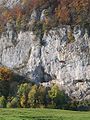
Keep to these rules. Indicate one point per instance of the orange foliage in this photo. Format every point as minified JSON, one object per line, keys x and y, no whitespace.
{"x":7,"y":15}
{"x":17,"y":11}
{"x":64,"y":11}
{"x":5,"y":73}
{"x":62,"y":14}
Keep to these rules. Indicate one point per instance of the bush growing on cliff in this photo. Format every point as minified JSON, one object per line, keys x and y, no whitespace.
{"x":70,"y":36}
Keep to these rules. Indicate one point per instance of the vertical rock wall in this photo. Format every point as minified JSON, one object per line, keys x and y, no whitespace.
{"x":66,"y":63}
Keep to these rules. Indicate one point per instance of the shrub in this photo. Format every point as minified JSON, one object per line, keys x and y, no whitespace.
{"x":2,"y":102}
{"x":5,"y":77}
{"x":23,"y":89}
{"x":32,"y":96}
{"x":23,"y":101}
{"x":13,"y":103}
{"x":5,"y":74}
{"x":22,"y":93}
{"x":58,"y":98}
{"x":70,"y":36}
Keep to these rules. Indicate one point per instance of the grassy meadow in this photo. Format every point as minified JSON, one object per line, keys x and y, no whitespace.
{"x":42,"y":114}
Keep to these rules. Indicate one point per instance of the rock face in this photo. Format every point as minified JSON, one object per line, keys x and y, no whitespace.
{"x":9,"y":3}
{"x":67,"y":64}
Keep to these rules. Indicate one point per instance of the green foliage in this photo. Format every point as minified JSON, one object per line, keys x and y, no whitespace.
{"x":29,"y":95}
{"x":24,"y":89}
{"x":23,"y":101}
{"x":18,"y":24}
{"x":58,"y":98}
{"x":53,"y":93}
{"x":38,"y":28}
{"x":13,"y":103}
{"x":42,"y":93}
{"x":21,"y":23}
{"x":2,"y":102}
{"x":32,"y":96}
{"x":37,"y":96}
{"x":22,"y":93}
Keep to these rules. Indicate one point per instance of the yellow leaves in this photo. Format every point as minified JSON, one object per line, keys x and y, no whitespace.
{"x":1,"y":28}
{"x":24,"y":1}
{"x":57,"y":11}
{"x":54,"y":91}
{"x":7,"y":15}
{"x":23,"y":101}
{"x":5,"y":73}
{"x":70,"y":37}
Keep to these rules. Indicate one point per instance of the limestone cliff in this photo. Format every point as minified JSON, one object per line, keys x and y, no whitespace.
{"x":51,"y":59}
{"x":9,"y":3}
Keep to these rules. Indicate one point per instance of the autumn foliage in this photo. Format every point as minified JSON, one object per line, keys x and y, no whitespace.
{"x":5,"y":74}
{"x":71,"y":12}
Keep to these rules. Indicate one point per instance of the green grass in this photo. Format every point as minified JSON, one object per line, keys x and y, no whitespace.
{"x":42,"y":114}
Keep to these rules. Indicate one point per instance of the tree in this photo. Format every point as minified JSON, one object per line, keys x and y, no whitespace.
{"x":41,"y":96}
{"x":22,"y":93}
{"x":2,"y":102}
{"x":73,"y":11}
{"x":13,"y":103}
{"x":53,"y":93}
{"x":62,"y":14}
{"x":23,"y":89}
{"x":58,"y":98}
{"x":6,"y":76}
{"x":23,"y":101}
{"x":32,"y":96}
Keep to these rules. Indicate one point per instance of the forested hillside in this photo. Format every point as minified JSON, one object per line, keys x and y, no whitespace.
{"x":71,"y":12}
